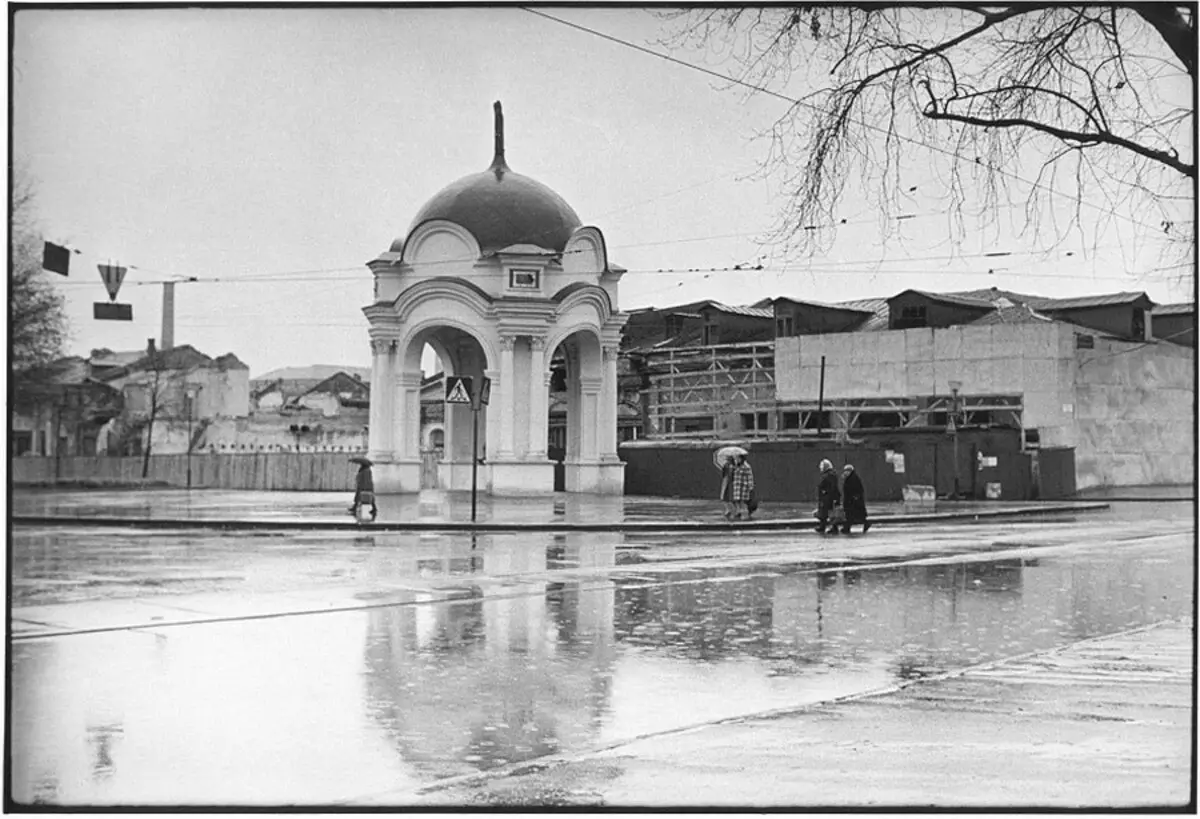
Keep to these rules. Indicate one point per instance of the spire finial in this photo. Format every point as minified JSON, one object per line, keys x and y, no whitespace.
{"x":498,"y":162}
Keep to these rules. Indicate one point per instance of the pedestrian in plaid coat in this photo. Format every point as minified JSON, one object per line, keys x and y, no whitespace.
{"x":743,"y":487}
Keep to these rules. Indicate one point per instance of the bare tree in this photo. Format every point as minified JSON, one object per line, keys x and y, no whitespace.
{"x":1096,"y":98}
{"x":36,"y":314}
{"x":156,"y":389}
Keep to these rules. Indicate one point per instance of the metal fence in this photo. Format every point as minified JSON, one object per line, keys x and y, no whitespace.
{"x":301,"y":471}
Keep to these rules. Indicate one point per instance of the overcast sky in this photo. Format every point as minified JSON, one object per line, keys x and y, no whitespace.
{"x":281,"y":149}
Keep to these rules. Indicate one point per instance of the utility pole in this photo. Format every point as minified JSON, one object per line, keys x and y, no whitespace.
{"x":821,"y":401}
{"x":953,"y":425}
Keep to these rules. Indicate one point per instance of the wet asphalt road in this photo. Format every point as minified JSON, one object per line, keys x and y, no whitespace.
{"x":281,"y":668}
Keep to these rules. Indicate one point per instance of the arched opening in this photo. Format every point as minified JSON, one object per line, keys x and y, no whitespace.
{"x":575,"y":408}
{"x":445,"y":456}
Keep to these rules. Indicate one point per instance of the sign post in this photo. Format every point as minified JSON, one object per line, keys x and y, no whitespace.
{"x":458,"y":391}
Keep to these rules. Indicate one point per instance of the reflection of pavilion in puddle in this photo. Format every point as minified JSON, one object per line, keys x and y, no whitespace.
{"x":520,"y":673}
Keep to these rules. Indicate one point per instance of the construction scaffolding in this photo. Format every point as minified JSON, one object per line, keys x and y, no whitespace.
{"x":729,"y":389}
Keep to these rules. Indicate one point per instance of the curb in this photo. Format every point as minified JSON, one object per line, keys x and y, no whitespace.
{"x":782,"y":524}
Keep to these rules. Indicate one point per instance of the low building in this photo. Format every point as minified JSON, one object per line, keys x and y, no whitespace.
{"x":171,"y":398}
{"x":62,"y":413}
{"x":1175,"y":323}
{"x":280,"y":387}
{"x":1082,"y":373}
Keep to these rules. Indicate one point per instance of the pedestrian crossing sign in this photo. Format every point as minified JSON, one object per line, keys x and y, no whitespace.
{"x":458,"y":389}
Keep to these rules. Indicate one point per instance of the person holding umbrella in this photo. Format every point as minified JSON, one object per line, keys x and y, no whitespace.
{"x":723,"y":459}
{"x":364,"y":487}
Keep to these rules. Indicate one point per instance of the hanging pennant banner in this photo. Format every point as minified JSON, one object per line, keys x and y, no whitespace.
{"x":55,"y":258}
{"x":112,"y":275}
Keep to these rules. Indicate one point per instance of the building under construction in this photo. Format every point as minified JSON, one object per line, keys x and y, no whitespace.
{"x":1093,"y":375}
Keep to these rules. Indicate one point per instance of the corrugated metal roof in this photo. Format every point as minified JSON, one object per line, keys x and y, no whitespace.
{"x":962,"y":301}
{"x":878,"y":308}
{"x":824,"y":305}
{"x":1018,"y":314}
{"x":755,"y":312}
{"x":1106,"y":300}
{"x":1180,"y":309}
{"x":993,"y":294}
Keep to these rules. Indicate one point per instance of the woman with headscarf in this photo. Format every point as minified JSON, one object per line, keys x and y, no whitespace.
{"x":828,"y":497}
{"x":854,"y":500}
{"x":743,"y":487}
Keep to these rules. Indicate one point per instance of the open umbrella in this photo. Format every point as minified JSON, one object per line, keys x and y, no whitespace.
{"x":725,"y":454}
{"x":361,"y":460}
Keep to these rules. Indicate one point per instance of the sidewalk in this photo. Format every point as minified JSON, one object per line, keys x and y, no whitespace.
{"x":440,"y":510}
{"x":1103,"y":723}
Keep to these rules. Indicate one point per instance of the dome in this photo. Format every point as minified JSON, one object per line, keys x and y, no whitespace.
{"x":502,"y":208}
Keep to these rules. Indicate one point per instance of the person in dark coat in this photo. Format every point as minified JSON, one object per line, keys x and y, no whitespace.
{"x":364,"y":491}
{"x":854,"y":500}
{"x":828,"y":497}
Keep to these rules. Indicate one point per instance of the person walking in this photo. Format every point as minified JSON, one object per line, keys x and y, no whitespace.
{"x":727,"y":489}
{"x":743,"y":487}
{"x":828,"y":498}
{"x":854,"y":500}
{"x":364,"y":491}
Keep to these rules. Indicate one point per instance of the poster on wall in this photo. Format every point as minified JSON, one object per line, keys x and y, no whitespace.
{"x":898,"y":462}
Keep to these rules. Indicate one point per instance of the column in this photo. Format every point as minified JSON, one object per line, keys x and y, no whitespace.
{"x":539,"y":399}
{"x":590,"y":417}
{"x":609,"y":397}
{"x":406,"y":416}
{"x":508,"y":397}
{"x":380,"y":409}
{"x":489,"y":424}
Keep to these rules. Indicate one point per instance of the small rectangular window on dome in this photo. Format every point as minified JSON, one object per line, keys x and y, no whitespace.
{"x":523,"y":279}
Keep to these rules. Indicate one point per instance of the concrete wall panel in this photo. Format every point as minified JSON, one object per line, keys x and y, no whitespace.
{"x":1008,"y":341}
{"x":920,"y":379}
{"x":918,"y":343}
{"x":977,"y":343}
{"x":1134,"y":408}
{"x":888,"y":349}
{"x":947,"y":343}
{"x":1007,"y":375}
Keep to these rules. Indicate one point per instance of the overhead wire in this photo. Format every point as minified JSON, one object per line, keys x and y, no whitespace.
{"x":802,"y":101}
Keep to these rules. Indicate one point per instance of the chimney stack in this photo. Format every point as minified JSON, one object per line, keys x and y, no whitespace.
{"x":168,"y":315}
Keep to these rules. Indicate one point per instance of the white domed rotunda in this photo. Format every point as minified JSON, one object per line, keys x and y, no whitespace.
{"x":496,"y":273}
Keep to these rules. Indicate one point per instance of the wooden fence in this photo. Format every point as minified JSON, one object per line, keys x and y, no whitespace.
{"x":301,"y":471}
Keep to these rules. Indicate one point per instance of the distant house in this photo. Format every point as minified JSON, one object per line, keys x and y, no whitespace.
{"x":701,"y":323}
{"x":800,"y":318}
{"x":337,"y":392}
{"x":170,"y":395}
{"x":1175,"y":323}
{"x":63,"y":413}
{"x":279,"y":388}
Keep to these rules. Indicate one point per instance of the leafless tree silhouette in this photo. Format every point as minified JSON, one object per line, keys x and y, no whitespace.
{"x":1097,"y":98}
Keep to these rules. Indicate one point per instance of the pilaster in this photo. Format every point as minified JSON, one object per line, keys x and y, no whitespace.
{"x":539,"y":399}
{"x":507,"y":397}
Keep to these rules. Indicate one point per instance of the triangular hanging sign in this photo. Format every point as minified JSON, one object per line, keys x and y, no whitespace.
{"x":112,"y":276}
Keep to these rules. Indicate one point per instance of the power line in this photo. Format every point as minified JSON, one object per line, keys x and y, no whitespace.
{"x":802,"y":101}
